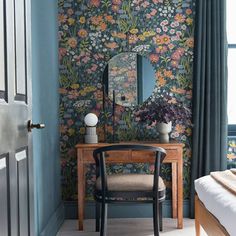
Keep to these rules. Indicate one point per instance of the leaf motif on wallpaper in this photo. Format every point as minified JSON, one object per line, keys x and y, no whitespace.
{"x":71,"y":78}
{"x":167,"y":2}
{"x":64,"y":82}
{"x":187,"y":64}
{"x":123,"y":26}
{"x":106,"y":3}
{"x":127,"y":20}
{"x":84,"y":44}
{"x":183,"y":81}
{"x":61,"y":110}
{"x":60,"y":3}
{"x":165,"y":61}
{"x":127,"y":134}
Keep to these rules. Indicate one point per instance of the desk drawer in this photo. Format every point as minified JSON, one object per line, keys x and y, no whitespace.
{"x":145,"y":156}
{"x":111,"y":156}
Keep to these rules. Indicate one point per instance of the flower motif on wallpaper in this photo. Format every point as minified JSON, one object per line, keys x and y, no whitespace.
{"x":142,"y":49}
{"x":231,"y":155}
{"x":231,"y":148}
{"x":90,"y":33}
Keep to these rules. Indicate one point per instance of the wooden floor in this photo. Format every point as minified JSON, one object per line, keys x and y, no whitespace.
{"x":129,"y":227}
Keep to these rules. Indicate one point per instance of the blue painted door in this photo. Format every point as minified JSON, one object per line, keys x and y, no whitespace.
{"x":16,"y":167}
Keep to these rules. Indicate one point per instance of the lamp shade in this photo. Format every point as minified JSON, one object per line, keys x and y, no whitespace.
{"x":90,"y":119}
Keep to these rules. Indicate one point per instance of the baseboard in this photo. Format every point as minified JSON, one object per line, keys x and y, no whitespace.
{"x":54,"y":222}
{"x":130,"y":210}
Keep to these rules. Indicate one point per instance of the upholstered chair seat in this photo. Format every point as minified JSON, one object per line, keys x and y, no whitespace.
{"x":130,"y":182}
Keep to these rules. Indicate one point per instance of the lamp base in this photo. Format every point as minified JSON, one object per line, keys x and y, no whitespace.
{"x":91,"y":136}
{"x":91,"y":139}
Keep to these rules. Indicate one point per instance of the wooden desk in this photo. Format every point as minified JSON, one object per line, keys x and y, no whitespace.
{"x":174,"y":156}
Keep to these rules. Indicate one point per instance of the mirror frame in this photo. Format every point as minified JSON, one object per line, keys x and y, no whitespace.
{"x":140,"y":84}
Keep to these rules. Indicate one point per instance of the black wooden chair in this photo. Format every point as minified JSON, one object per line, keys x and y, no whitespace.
{"x":142,"y":188}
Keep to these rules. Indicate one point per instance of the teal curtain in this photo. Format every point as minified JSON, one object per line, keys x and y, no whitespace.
{"x":209,"y":139}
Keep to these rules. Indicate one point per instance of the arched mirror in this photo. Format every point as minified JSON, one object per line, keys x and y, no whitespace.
{"x":129,"y":79}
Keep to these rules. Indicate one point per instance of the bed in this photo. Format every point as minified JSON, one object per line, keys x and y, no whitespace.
{"x":215,"y":207}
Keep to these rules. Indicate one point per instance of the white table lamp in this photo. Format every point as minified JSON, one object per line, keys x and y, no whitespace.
{"x":91,"y":121}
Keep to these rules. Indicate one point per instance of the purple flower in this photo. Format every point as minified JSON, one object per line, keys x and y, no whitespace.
{"x":162,"y":110}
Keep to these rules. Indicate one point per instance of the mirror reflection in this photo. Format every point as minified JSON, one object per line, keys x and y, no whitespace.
{"x":129,"y":79}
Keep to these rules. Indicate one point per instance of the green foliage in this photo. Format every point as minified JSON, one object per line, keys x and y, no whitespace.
{"x":128,"y":21}
{"x":106,"y":3}
{"x":83,"y":46}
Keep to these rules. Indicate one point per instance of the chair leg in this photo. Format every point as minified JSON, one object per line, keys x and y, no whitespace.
{"x":97,"y":216}
{"x":103,"y":231}
{"x":160,"y":216}
{"x":156,"y":217}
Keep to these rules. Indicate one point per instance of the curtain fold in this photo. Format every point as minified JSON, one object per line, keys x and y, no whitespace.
{"x":209,"y":140}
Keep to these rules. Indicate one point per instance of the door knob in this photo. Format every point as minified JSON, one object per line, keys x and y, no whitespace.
{"x":33,"y":126}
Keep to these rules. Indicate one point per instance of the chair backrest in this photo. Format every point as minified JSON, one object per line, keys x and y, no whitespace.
{"x":99,"y":157}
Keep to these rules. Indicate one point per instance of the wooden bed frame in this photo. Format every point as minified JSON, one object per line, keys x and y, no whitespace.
{"x":208,"y":221}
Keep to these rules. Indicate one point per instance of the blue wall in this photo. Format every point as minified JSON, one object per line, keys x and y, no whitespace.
{"x":48,"y":204}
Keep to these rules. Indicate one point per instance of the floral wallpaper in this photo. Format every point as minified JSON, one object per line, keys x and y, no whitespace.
{"x":91,"y":32}
{"x":231,"y":156}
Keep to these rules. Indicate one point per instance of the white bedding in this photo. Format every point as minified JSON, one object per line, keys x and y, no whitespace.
{"x":219,"y":201}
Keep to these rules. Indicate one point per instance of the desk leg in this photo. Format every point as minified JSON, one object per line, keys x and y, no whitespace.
{"x":180,"y":195}
{"x":81,"y":193}
{"x":197,"y":223}
{"x":174,"y":189}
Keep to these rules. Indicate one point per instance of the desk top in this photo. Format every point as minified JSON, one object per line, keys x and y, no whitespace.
{"x":95,"y":145}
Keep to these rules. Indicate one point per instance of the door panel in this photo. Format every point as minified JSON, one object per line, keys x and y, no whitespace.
{"x":22,"y":190}
{"x":2,"y":52}
{"x":20,"y":85}
{"x":16,"y":176}
{"x":4,"y":195}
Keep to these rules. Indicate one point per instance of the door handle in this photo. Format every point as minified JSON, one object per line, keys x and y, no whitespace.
{"x":31,"y":126}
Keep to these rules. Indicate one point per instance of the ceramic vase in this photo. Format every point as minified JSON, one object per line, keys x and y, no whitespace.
{"x":164,"y":129}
